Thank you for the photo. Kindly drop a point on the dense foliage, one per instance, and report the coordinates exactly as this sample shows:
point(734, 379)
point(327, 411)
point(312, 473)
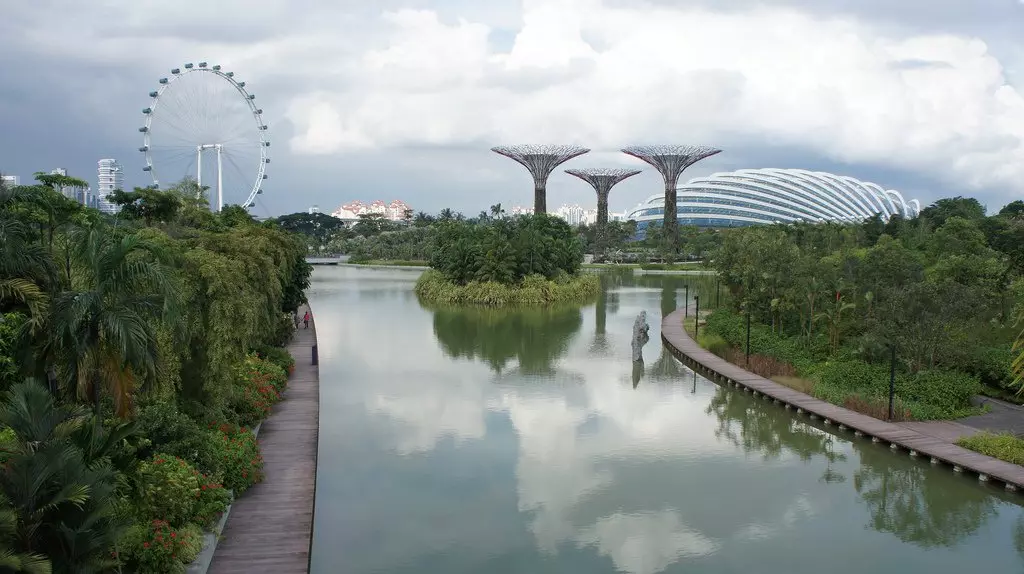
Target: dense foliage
point(135, 351)
point(832, 301)
point(531, 259)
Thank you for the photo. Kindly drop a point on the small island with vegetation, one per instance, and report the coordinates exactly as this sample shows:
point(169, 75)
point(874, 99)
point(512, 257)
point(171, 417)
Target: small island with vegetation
point(522, 260)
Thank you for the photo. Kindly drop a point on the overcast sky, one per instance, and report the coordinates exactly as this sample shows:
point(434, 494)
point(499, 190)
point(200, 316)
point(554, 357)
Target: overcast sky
point(401, 99)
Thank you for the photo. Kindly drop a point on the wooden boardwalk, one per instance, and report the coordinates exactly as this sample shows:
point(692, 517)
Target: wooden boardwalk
point(270, 527)
point(930, 440)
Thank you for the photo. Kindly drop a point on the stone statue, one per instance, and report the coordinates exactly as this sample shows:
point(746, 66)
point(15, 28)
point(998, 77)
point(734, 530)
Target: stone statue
point(640, 335)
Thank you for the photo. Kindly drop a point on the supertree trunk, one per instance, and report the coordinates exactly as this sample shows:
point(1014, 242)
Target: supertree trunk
point(602, 208)
point(540, 199)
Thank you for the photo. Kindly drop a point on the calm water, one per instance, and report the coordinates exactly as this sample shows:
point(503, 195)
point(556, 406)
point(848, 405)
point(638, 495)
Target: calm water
point(486, 442)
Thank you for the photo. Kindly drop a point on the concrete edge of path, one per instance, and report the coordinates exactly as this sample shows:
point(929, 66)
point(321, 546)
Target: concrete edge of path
point(940, 451)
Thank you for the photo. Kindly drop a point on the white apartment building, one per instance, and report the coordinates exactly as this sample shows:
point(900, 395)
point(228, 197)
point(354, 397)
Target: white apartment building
point(314, 209)
point(576, 215)
point(10, 180)
point(111, 176)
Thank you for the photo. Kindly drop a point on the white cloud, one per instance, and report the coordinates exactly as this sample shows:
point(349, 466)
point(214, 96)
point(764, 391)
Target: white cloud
point(656, 74)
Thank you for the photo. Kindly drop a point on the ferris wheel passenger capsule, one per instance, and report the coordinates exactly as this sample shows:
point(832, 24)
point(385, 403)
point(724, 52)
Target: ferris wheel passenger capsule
point(143, 129)
point(241, 84)
point(188, 66)
point(154, 94)
point(148, 168)
point(147, 110)
point(176, 71)
point(202, 64)
point(229, 74)
point(216, 67)
point(144, 148)
point(163, 81)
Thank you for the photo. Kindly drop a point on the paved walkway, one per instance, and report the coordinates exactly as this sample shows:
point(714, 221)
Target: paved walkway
point(270, 527)
point(934, 443)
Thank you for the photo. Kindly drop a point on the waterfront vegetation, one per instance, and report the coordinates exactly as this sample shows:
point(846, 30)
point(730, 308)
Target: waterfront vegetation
point(828, 302)
point(136, 353)
point(523, 260)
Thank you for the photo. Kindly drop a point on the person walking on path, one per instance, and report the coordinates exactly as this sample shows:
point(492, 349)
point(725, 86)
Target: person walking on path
point(305, 319)
point(295, 318)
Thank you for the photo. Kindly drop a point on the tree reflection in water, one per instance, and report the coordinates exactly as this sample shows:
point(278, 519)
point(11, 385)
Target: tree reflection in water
point(916, 503)
point(753, 427)
point(536, 338)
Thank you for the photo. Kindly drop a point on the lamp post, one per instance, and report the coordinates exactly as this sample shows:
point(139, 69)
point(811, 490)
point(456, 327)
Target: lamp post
point(686, 301)
point(718, 292)
point(892, 380)
point(747, 309)
point(696, 315)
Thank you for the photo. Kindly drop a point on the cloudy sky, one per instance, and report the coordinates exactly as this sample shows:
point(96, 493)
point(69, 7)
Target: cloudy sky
point(401, 99)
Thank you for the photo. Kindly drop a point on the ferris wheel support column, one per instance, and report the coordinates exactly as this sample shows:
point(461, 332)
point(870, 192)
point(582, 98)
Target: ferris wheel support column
point(199, 166)
point(220, 179)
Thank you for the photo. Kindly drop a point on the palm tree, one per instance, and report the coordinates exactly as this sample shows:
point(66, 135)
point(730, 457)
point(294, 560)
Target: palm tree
point(12, 560)
point(64, 499)
point(103, 326)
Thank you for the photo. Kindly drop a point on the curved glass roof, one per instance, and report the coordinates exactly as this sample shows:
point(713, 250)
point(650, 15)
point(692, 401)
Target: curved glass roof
point(752, 196)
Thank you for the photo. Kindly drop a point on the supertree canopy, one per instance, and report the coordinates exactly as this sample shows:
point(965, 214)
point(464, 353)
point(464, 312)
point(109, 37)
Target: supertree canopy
point(670, 161)
point(541, 160)
point(602, 180)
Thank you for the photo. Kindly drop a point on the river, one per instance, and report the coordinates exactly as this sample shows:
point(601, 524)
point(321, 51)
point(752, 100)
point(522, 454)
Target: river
point(458, 442)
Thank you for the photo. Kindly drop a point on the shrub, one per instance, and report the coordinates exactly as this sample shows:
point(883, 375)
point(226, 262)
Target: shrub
point(213, 500)
point(168, 489)
point(174, 433)
point(433, 288)
point(278, 356)
point(715, 344)
point(240, 456)
point(158, 547)
point(258, 386)
point(1002, 446)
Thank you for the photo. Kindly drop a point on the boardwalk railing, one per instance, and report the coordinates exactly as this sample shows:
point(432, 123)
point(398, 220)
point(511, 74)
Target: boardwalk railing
point(898, 437)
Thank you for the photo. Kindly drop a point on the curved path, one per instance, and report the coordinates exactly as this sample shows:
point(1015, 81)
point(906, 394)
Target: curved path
point(270, 527)
point(940, 449)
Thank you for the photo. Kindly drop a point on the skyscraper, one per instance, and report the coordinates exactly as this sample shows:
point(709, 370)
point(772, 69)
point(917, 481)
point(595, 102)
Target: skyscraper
point(10, 180)
point(111, 177)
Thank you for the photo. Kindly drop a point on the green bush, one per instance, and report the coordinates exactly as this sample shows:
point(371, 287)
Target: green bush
point(258, 386)
point(159, 548)
point(240, 455)
point(213, 500)
point(168, 489)
point(172, 432)
point(280, 357)
point(1002, 446)
point(433, 288)
point(714, 343)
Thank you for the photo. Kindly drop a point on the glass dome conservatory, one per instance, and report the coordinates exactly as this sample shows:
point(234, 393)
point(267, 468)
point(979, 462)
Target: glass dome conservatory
point(756, 196)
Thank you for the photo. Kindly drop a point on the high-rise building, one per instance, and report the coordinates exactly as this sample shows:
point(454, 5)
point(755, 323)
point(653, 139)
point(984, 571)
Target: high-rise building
point(111, 177)
point(576, 215)
point(10, 180)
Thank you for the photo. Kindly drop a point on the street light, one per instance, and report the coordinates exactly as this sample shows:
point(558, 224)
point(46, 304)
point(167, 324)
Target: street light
point(892, 379)
point(718, 292)
point(686, 301)
point(696, 315)
point(746, 308)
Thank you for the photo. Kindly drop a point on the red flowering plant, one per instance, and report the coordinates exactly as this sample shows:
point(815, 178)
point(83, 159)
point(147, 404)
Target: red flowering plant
point(168, 489)
point(158, 547)
point(211, 500)
point(258, 386)
point(240, 456)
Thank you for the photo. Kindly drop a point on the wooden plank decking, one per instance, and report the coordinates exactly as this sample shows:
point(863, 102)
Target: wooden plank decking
point(270, 526)
point(932, 439)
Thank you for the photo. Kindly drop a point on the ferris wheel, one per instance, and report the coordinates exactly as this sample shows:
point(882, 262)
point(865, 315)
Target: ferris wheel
point(203, 123)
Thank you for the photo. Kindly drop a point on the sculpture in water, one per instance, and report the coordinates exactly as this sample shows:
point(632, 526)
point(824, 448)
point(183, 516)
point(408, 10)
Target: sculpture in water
point(640, 335)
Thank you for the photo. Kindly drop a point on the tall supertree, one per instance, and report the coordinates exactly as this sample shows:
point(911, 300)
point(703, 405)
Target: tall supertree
point(602, 180)
point(541, 160)
point(670, 161)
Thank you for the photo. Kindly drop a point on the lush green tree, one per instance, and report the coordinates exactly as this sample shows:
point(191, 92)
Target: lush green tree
point(968, 208)
point(148, 204)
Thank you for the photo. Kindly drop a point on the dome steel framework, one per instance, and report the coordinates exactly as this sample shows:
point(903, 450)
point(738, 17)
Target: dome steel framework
point(759, 196)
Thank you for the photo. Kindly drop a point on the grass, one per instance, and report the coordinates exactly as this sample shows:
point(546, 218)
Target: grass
point(1004, 446)
point(393, 262)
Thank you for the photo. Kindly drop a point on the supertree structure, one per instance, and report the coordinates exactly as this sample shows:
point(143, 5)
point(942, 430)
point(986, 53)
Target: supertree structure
point(602, 180)
point(670, 161)
point(541, 160)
